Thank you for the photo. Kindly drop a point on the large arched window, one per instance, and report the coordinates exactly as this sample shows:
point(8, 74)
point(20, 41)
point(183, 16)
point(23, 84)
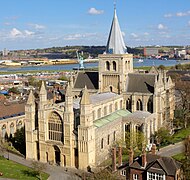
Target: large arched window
point(55, 127)
point(3, 131)
point(139, 105)
point(150, 105)
point(114, 66)
point(128, 105)
point(107, 66)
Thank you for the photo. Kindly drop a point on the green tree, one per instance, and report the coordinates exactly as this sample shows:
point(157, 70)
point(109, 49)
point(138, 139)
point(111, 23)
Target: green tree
point(162, 136)
point(18, 140)
point(186, 162)
point(14, 90)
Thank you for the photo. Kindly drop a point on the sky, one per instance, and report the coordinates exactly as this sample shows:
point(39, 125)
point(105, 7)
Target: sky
point(32, 24)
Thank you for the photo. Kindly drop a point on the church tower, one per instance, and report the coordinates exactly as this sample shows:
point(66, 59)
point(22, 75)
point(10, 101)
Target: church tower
point(31, 132)
point(115, 63)
point(86, 133)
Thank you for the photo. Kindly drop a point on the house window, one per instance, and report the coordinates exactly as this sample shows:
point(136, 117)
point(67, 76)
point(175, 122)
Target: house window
point(135, 176)
point(123, 173)
point(155, 176)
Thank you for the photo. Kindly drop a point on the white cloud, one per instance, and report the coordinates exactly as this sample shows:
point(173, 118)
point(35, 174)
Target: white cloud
point(79, 36)
point(134, 35)
point(37, 26)
point(123, 34)
point(15, 33)
point(29, 33)
point(188, 23)
point(168, 15)
point(94, 11)
point(146, 33)
point(181, 14)
point(161, 27)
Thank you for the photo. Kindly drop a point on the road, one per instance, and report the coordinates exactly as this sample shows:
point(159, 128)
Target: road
point(172, 150)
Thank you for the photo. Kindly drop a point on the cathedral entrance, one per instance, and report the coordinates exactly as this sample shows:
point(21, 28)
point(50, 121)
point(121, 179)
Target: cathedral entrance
point(57, 155)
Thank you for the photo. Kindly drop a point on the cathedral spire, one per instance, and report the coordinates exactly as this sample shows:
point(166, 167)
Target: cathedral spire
point(43, 88)
point(115, 44)
point(31, 98)
point(85, 97)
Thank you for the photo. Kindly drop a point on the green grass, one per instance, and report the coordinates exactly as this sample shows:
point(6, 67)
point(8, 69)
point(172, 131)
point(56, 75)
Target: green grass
point(13, 170)
point(179, 157)
point(181, 135)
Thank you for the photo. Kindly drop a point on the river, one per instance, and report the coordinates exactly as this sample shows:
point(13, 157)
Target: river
point(146, 62)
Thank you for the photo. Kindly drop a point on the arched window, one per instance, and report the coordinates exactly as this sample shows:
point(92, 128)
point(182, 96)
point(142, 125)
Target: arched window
point(116, 106)
point(107, 66)
point(128, 105)
point(12, 131)
point(121, 104)
point(19, 125)
point(3, 131)
point(93, 115)
point(110, 108)
point(139, 105)
point(114, 135)
point(114, 66)
point(105, 111)
point(102, 143)
point(150, 105)
point(55, 127)
point(99, 113)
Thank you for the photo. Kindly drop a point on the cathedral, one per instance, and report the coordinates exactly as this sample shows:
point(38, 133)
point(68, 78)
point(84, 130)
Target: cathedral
point(99, 108)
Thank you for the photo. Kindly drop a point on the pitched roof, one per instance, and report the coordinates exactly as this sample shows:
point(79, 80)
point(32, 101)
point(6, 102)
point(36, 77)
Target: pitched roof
point(142, 83)
point(162, 164)
point(90, 79)
point(11, 109)
point(115, 44)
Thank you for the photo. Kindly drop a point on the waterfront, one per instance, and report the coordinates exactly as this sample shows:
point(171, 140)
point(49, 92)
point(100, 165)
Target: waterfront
point(146, 62)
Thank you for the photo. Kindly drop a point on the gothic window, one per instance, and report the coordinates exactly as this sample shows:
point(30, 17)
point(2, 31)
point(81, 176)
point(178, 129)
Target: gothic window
point(116, 106)
point(55, 127)
point(19, 125)
point(128, 105)
point(139, 105)
point(114, 66)
point(99, 113)
point(110, 108)
point(107, 66)
point(3, 130)
point(11, 129)
point(93, 114)
point(150, 105)
point(102, 143)
point(108, 139)
point(121, 104)
point(105, 110)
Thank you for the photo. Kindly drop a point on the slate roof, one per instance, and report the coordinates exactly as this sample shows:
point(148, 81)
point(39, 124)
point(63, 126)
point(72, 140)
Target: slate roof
point(8, 110)
point(141, 83)
point(139, 115)
point(90, 79)
point(164, 164)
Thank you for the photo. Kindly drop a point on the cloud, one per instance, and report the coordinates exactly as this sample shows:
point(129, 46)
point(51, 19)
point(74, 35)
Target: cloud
point(188, 23)
point(94, 11)
point(29, 33)
point(15, 33)
point(79, 36)
point(161, 27)
point(134, 35)
point(146, 33)
point(37, 26)
point(168, 15)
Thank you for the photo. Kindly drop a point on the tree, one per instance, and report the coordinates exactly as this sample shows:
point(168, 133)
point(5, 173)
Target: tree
point(183, 89)
point(161, 67)
point(63, 78)
point(186, 162)
point(162, 136)
point(18, 140)
point(104, 174)
point(14, 90)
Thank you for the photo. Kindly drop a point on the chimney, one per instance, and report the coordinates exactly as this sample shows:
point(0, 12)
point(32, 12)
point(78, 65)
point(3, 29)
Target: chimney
point(131, 153)
point(119, 156)
point(144, 158)
point(153, 149)
point(113, 159)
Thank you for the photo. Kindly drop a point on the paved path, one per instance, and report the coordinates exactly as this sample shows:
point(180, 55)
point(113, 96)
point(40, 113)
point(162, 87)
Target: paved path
point(55, 172)
point(172, 149)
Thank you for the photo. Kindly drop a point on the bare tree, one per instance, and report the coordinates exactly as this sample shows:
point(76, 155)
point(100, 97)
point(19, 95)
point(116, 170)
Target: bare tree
point(186, 163)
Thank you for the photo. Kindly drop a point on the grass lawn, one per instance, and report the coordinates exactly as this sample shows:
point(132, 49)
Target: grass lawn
point(181, 135)
point(179, 157)
point(13, 170)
